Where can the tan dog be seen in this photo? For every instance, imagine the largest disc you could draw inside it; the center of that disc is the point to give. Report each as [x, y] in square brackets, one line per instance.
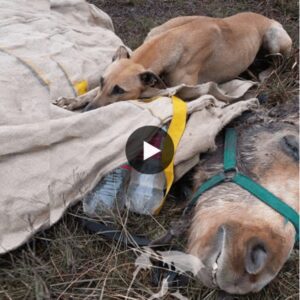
[190, 50]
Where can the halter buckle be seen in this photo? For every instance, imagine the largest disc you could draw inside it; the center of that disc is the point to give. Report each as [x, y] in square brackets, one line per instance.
[230, 173]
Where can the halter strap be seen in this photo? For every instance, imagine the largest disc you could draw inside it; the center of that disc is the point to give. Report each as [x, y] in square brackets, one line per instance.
[230, 150]
[245, 182]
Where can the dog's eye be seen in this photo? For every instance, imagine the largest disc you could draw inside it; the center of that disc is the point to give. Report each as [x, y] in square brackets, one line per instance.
[117, 90]
[101, 82]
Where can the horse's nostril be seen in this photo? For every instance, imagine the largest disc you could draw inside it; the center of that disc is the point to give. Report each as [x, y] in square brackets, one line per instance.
[256, 257]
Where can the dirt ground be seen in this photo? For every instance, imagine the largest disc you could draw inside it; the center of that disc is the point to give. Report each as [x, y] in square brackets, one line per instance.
[134, 18]
[65, 262]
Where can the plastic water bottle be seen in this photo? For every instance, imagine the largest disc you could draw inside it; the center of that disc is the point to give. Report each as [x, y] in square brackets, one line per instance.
[145, 191]
[109, 192]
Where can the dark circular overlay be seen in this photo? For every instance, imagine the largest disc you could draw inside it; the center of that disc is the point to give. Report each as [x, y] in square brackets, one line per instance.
[156, 137]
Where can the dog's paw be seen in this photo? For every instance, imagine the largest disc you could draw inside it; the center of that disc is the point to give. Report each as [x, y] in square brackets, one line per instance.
[63, 102]
[68, 103]
[253, 103]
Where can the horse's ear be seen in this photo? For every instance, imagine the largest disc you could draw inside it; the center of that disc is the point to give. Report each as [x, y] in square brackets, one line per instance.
[121, 52]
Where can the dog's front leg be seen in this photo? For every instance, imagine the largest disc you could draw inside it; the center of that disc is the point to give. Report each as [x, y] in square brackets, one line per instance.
[182, 76]
[77, 102]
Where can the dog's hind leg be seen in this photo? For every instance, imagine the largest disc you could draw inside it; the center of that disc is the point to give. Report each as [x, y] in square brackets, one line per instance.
[77, 102]
[276, 40]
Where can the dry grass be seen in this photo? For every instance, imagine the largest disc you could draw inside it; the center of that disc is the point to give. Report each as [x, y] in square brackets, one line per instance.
[66, 262]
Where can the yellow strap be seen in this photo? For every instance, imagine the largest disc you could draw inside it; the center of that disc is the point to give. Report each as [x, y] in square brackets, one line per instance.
[175, 131]
[81, 87]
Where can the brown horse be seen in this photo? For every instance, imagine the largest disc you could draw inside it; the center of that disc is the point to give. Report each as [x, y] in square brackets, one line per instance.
[242, 242]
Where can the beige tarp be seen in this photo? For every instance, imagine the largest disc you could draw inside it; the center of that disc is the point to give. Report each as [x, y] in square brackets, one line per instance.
[50, 157]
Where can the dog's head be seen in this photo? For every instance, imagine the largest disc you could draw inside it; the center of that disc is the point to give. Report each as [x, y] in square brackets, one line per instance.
[124, 79]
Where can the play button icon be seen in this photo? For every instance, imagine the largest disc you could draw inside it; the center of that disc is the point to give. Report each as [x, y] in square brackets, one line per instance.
[149, 149]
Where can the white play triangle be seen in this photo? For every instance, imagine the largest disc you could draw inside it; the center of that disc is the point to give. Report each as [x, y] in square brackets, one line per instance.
[149, 150]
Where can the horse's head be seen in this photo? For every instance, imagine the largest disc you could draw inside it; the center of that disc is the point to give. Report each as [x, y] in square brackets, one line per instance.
[242, 242]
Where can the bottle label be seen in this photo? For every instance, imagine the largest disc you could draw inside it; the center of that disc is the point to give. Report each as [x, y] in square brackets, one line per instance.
[125, 167]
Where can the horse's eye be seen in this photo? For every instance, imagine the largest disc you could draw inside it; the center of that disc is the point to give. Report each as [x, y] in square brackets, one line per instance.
[290, 145]
[117, 90]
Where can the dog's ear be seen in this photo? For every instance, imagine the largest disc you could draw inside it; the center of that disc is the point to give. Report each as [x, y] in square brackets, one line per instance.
[150, 79]
[121, 52]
